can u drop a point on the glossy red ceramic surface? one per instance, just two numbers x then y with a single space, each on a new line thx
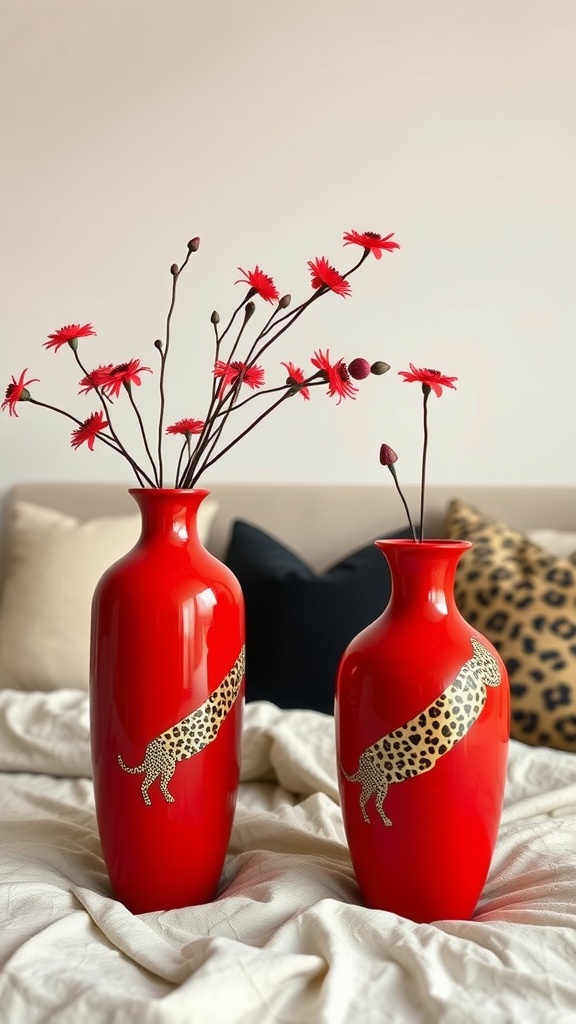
432 861
167 628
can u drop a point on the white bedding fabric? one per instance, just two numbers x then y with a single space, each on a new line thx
286 940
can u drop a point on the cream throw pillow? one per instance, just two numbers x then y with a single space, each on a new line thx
53 562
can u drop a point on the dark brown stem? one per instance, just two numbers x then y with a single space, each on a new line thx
219 407
194 472
106 407
238 337
216 404
186 445
128 388
138 472
205 432
294 314
205 449
392 469
246 299
297 312
210 462
261 333
212 440
227 402
426 390
163 356
310 382
320 291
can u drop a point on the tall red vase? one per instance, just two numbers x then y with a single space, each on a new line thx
422 729
166 699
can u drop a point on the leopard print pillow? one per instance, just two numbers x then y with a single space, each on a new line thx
523 600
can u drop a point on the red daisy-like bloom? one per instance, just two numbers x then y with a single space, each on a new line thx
186 427
336 375
432 379
123 374
296 376
371 240
95 379
325 275
87 431
253 376
17 391
260 283
68 335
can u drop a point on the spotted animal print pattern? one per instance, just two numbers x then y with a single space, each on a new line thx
415 747
523 599
189 736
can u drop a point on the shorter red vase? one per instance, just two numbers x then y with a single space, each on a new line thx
166 699
422 729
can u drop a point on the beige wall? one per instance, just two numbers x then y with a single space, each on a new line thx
268 129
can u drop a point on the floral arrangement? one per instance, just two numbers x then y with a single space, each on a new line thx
431 380
237 379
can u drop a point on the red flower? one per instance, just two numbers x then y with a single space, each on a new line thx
372 241
260 283
68 335
186 427
325 275
87 430
431 379
253 376
123 374
336 375
17 391
296 377
95 379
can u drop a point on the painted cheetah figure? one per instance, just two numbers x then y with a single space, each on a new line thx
189 736
415 747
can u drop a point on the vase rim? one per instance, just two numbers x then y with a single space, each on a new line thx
169 490
429 543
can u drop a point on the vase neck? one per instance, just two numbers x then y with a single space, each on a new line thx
423 573
169 514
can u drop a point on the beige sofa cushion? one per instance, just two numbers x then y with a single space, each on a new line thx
52 565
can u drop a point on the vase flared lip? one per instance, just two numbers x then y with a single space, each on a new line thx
170 491
428 544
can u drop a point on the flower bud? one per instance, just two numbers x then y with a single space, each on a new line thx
284 302
379 367
158 344
194 244
249 310
174 270
359 368
215 318
387 455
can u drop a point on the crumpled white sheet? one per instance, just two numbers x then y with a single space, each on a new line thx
287 939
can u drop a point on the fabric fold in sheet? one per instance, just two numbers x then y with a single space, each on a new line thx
287 938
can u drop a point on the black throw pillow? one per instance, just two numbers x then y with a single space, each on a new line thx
298 623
